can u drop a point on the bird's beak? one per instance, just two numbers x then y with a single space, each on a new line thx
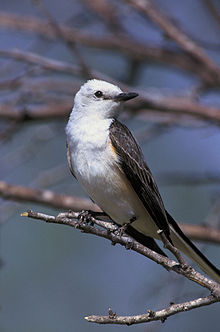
125 96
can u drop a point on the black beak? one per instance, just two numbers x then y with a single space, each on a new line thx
125 96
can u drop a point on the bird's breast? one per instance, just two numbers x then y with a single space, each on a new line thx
97 168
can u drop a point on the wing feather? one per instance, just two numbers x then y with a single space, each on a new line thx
69 160
136 170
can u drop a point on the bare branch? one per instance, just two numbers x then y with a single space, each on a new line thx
192 178
173 32
59 32
107 12
71 219
35 112
44 62
106 229
45 197
118 42
63 201
213 10
201 233
150 316
144 103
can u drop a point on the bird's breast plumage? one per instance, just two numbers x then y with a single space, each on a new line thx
96 166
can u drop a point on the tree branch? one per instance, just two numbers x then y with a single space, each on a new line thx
201 233
145 102
212 10
150 316
70 43
173 32
63 201
45 197
121 43
106 229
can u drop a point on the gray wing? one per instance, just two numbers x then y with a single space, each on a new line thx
69 159
136 170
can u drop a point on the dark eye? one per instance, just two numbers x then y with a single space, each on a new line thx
98 94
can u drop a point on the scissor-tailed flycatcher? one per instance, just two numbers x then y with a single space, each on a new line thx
107 161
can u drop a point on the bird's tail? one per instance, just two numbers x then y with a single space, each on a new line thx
182 242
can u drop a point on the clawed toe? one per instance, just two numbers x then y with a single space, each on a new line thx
85 216
121 230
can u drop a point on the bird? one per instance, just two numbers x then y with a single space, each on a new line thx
107 161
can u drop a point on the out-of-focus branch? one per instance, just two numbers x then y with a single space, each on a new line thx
191 178
107 12
178 105
106 230
201 233
119 43
59 33
45 197
213 10
35 59
185 42
63 201
36 112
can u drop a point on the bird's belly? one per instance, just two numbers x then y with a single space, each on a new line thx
109 188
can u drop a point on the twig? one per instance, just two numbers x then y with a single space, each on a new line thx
172 249
213 10
173 32
201 233
195 179
126 241
72 219
150 316
70 43
63 201
45 197
127 46
144 102
107 12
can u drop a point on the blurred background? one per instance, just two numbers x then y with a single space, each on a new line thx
51 275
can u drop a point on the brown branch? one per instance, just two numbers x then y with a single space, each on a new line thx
213 10
201 233
70 43
150 316
144 102
178 105
173 32
71 219
45 197
63 201
174 250
127 46
105 229
107 12
36 112
192 178
35 59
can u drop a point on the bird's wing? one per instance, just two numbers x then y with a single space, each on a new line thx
133 165
69 160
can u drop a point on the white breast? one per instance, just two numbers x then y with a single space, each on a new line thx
96 167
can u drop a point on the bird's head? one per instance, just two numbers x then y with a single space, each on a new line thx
100 98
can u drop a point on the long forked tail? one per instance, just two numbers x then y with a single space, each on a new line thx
182 242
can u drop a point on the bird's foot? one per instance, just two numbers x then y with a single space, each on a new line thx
88 215
122 229
85 216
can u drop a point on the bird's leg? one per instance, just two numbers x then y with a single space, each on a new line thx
87 215
122 229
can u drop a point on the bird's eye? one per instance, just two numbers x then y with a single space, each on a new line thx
98 94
